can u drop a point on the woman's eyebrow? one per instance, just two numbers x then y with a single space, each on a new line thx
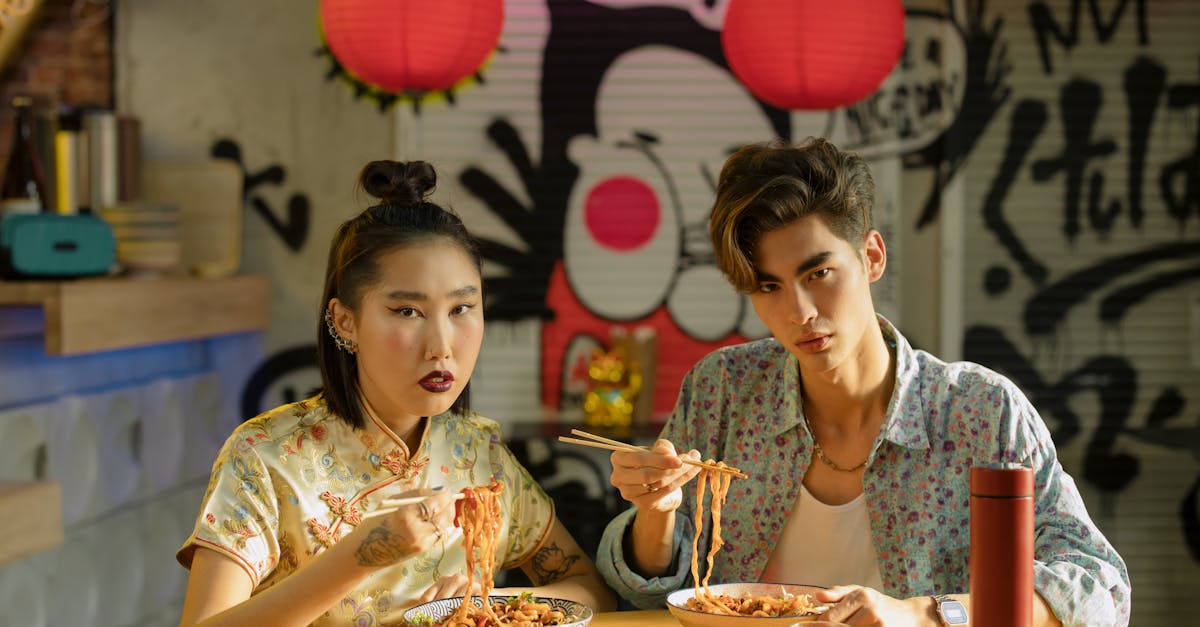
462 292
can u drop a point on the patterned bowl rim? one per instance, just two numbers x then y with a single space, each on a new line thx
578 612
677 600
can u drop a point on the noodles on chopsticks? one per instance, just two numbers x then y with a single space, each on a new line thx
479 516
704 600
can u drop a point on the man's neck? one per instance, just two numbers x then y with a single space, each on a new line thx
855 395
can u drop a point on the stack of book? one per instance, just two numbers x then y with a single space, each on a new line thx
92 159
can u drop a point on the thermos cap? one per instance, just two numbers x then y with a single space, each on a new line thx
1013 482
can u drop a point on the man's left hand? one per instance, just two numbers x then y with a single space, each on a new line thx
856 605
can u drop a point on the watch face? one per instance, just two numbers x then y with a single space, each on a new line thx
953 612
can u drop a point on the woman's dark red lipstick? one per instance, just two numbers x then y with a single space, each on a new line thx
437 381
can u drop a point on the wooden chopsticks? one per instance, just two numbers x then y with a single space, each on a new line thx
596 441
391 505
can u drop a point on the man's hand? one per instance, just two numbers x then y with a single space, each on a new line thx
652 480
856 605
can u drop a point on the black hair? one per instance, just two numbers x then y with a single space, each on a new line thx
403 216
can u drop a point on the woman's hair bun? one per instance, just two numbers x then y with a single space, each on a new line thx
397 182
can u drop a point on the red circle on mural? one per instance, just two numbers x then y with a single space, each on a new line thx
621 213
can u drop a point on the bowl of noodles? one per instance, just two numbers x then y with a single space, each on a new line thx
745 605
524 610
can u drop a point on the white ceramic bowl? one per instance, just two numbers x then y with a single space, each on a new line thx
677 604
577 614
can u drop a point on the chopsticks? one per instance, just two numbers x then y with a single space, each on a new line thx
390 505
596 441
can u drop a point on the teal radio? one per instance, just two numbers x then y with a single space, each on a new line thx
54 246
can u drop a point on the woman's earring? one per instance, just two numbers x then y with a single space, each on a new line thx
347 345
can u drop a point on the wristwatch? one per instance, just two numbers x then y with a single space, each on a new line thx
950 611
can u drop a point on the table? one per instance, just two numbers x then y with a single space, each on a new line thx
642 618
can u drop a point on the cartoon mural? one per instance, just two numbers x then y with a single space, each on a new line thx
1067 130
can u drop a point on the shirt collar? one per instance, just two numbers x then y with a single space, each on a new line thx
899 429
906 433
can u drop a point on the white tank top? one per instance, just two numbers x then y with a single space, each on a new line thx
825 545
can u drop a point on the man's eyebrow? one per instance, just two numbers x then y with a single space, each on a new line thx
815 261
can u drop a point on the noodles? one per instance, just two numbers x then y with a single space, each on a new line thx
479 516
704 600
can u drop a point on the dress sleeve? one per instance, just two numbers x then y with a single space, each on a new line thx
1076 570
611 560
239 513
531 512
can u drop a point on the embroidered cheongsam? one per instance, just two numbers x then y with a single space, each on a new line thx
296 479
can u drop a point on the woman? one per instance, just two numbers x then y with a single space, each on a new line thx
286 534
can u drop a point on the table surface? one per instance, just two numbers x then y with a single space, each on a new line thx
643 618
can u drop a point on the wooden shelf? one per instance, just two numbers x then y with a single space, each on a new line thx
31 518
90 315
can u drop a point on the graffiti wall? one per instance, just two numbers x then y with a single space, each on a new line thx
1039 195
1083 220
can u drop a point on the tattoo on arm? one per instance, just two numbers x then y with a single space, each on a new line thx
551 563
380 548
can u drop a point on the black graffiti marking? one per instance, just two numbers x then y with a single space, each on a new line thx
275 368
1112 378
584 41
1144 83
1114 306
1045 26
1028 120
522 292
986 90
996 280
1079 106
1187 168
1167 406
1189 511
1046 309
293 231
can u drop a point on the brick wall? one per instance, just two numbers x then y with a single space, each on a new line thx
65 58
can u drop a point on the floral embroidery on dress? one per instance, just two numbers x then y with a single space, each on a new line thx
321 532
241 531
276 511
342 508
403 467
365 610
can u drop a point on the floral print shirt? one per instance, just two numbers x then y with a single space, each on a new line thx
741 404
296 479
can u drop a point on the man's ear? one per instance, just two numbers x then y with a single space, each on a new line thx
874 255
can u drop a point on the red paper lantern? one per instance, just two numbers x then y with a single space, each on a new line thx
812 54
411 45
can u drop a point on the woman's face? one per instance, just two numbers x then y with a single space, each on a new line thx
418 329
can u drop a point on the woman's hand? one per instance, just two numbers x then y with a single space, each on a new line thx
387 539
856 605
449 586
652 480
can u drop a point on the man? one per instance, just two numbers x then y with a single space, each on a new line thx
858 447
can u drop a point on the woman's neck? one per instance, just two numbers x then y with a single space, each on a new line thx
408 428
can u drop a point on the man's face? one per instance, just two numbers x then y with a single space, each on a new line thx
814 291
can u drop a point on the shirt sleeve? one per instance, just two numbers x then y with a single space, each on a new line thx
610 558
1076 570
531 512
239 512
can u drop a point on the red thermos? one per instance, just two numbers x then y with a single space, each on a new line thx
1001 547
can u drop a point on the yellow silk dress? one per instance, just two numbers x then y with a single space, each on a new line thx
296 479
